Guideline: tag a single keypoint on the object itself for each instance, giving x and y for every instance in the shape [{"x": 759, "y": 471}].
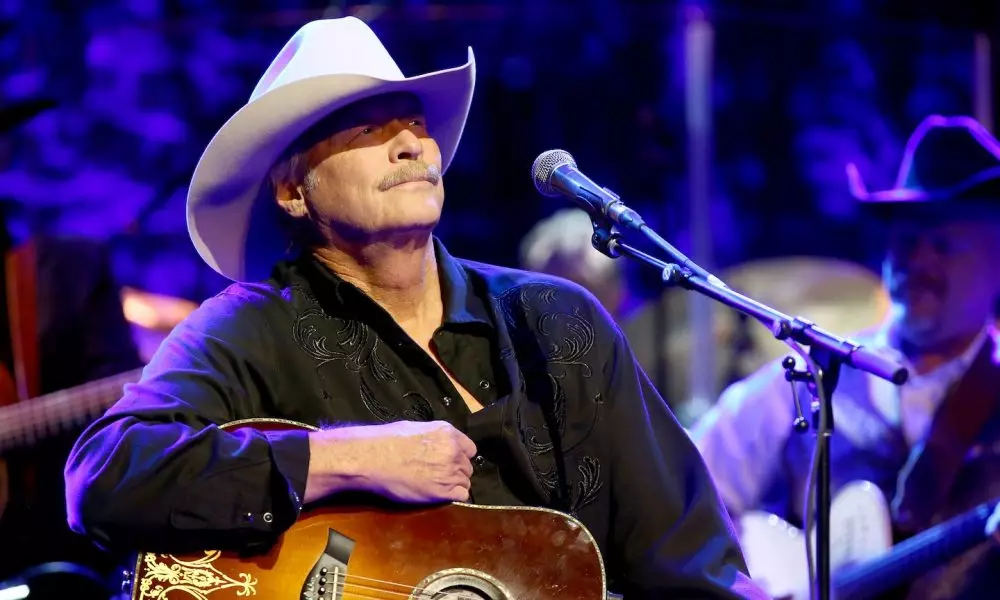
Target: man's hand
[{"x": 405, "y": 461}]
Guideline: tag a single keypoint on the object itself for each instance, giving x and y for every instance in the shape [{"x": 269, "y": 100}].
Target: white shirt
[
  {"x": 911, "y": 406},
  {"x": 743, "y": 437}
]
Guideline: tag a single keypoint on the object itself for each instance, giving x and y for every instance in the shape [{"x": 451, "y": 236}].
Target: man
[
  {"x": 78, "y": 334},
  {"x": 929, "y": 445},
  {"x": 435, "y": 379}
]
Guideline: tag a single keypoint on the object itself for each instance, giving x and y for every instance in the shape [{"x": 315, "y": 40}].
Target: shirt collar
[
  {"x": 462, "y": 304},
  {"x": 882, "y": 343}
]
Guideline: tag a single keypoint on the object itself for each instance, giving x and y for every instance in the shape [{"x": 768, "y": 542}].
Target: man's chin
[{"x": 918, "y": 329}]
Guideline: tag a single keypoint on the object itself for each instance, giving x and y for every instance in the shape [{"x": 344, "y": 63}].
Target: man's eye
[{"x": 367, "y": 131}]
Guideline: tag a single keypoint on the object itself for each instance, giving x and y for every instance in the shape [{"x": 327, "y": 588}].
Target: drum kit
[{"x": 840, "y": 296}]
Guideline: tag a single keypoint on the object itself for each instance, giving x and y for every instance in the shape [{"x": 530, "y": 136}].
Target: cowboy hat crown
[
  {"x": 318, "y": 48},
  {"x": 946, "y": 158},
  {"x": 325, "y": 66}
]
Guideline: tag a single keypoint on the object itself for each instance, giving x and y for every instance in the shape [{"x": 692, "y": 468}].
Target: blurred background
[{"x": 727, "y": 124}]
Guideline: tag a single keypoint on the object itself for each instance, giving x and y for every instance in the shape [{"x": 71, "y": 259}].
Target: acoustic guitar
[
  {"x": 863, "y": 561},
  {"x": 455, "y": 551}
]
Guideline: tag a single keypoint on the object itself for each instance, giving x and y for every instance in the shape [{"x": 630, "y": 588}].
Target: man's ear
[{"x": 292, "y": 199}]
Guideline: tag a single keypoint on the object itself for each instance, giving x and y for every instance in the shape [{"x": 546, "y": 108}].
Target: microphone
[{"x": 555, "y": 174}]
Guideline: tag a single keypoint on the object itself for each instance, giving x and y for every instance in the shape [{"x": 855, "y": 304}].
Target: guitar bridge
[{"x": 327, "y": 578}]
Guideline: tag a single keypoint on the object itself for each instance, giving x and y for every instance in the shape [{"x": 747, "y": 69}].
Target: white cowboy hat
[{"x": 326, "y": 65}]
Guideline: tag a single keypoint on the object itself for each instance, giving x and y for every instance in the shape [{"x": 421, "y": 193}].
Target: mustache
[{"x": 417, "y": 170}]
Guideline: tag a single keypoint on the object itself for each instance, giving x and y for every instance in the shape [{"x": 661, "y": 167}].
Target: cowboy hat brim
[
  {"x": 978, "y": 195},
  {"x": 230, "y": 178}
]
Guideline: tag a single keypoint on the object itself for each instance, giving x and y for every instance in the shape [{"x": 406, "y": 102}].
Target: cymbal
[{"x": 839, "y": 296}]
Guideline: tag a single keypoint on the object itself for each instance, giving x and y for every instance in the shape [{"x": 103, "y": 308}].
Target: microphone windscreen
[{"x": 545, "y": 165}]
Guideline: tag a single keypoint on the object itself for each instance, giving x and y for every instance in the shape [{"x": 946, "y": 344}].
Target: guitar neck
[
  {"x": 30, "y": 421},
  {"x": 914, "y": 557}
]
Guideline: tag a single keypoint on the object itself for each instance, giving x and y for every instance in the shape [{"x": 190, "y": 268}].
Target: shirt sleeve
[
  {"x": 157, "y": 473},
  {"x": 671, "y": 535},
  {"x": 743, "y": 437}
]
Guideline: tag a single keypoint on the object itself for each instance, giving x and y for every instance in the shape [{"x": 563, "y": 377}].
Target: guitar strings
[
  {"x": 342, "y": 588},
  {"x": 406, "y": 590}
]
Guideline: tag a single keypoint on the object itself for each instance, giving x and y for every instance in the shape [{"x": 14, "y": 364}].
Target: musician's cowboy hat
[
  {"x": 326, "y": 65},
  {"x": 951, "y": 165}
]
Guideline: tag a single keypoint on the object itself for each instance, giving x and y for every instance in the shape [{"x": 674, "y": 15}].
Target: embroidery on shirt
[
  {"x": 548, "y": 477},
  {"x": 559, "y": 342},
  {"x": 420, "y": 409},
  {"x": 586, "y": 489},
  {"x": 356, "y": 346},
  {"x": 590, "y": 483},
  {"x": 574, "y": 335},
  {"x": 575, "y": 343},
  {"x": 558, "y": 415},
  {"x": 351, "y": 339},
  {"x": 375, "y": 406}
]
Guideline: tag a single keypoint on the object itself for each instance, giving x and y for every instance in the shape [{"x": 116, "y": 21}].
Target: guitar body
[
  {"x": 388, "y": 551},
  {"x": 861, "y": 530}
]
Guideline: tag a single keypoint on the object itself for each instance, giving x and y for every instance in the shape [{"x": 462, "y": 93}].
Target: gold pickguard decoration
[{"x": 196, "y": 578}]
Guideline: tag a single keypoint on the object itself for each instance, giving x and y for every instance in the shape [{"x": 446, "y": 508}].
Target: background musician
[{"x": 931, "y": 444}]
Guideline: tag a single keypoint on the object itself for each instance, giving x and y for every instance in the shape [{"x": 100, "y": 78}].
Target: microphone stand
[{"x": 827, "y": 352}]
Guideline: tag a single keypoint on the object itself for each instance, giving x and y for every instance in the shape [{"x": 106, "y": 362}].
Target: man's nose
[{"x": 405, "y": 145}]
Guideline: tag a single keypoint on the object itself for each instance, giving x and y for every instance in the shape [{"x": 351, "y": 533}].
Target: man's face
[
  {"x": 377, "y": 174},
  {"x": 943, "y": 277}
]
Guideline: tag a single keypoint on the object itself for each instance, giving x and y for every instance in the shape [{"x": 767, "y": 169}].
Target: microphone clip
[
  {"x": 606, "y": 238},
  {"x": 793, "y": 376}
]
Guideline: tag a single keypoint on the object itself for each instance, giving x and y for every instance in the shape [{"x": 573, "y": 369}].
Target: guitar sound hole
[
  {"x": 461, "y": 584},
  {"x": 460, "y": 593}
]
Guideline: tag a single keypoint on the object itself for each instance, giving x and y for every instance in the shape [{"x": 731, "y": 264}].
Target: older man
[
  {"x": 931, "y": 446},
  {"x": 435, "y": 379}
]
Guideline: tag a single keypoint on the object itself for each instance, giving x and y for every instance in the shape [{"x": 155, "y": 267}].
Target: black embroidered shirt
[{"x": 570, "y": 422}]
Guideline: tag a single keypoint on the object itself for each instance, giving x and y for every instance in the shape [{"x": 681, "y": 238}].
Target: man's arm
[
  {"x": 157, "y": 473},
  {"x": 742, "y": 438},
  {"x": 670, "y": 532}
]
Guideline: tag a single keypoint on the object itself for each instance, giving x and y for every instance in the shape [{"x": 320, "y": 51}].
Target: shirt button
[
  {"x": 479, "y": 461},
  {"x": 446, "y": 400},
  {"x": 484, "y": 384}
]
